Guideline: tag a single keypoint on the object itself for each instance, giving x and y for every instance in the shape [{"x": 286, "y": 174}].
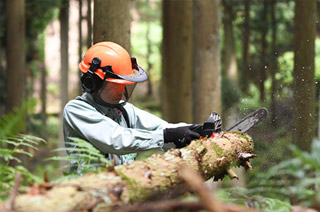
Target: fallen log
[{"x": 136, "y": 182}]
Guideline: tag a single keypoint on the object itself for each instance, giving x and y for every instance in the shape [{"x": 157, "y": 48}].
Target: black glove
[{"x": 180, "y": 136}]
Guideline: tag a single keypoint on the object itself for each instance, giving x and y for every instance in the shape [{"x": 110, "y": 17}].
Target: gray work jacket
[{"x": 109, "y": 133}]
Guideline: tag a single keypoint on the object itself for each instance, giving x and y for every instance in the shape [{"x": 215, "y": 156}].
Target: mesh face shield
[
  {"x": 128, "y": 91},
  {"x": 127, "y": 81}
]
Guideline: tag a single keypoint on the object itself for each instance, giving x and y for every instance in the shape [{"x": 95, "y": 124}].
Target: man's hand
[{"x": 180, "y": 136}]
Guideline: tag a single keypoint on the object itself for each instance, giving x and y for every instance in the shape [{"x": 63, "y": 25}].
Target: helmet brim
[{"x": 141, "y": 76}]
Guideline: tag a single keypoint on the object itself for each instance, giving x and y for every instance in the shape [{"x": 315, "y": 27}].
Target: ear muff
[{"x": 91, "y": 82}]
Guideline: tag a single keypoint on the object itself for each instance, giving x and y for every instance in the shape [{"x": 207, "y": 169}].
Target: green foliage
[
  {"x": 139, "y": 46},
  {"x": 284, "y": 15},
  {"x": 296, "y": 178},
  {"x": 13, "y": 123},
  {"x": 39, "y": 13},
  {"x": 148, "y": 10},
  {"x": 285, "y": 62},
  {"x": 148, "y": 29},
  {"x": 251, "y": 101},
  {"x": 244, "y": 197},
  {"x": 83, "y": 157},
  {"x": 13, "y": 147}
]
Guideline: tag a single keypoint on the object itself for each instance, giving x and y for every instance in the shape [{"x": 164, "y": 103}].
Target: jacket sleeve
[
  {"x": 108, "y": 136},
  {"x": 141, "y": 119}
]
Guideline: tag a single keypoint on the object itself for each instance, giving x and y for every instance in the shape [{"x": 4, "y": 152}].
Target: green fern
[
  {"x": 7, "y": 155},
  {"x": 13, "y": 145},
  {"x": 14, "y": 122},
  {"x": 84, "y": 157},
  {"x": 18, "y": 142},
  {"x": 297, "y": 178}
]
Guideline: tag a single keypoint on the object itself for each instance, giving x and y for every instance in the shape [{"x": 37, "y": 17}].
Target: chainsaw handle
[{"x": 211, "y": 125}]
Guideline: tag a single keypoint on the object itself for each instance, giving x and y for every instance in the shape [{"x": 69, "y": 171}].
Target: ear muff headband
[{"x": 90, "y": 81}]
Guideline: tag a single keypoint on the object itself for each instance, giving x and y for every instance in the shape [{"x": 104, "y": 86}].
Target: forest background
[{"x": 202, "y": 56}]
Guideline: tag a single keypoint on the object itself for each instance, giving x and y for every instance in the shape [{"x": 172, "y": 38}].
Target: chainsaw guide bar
[{"x": 250, "y": 121}]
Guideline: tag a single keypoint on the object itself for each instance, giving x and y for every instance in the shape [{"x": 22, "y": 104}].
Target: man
[{"x": 102, "y": 115}]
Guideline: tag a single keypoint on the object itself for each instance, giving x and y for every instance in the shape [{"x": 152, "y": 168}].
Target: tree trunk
[
  {"x": 80, "y": 45},
  {"x": 148, "y": 57},
  {"x": 304, "y": 76},
  {"x": 64, "y": 63},
  {"x": 245, "y": 75},
  {"x": 2, "y": 83},
  {"x": 230, "y": 60},
  {"x": 112, "y": 22},
  {"x": 2, "y": 68},
  {"x": 206, "y": 60},
  {"x": 43, "y": 95},
  {"x": 274, "y": 64},
  {"x": 89, "y": 24},
  {"x": 263, "y": 66},
  {"x": 64, "y": 53},
  {"x": 140, "y": 180},
  {"x": 177, "y": 60},
  {"x": 15, "y": 53}
]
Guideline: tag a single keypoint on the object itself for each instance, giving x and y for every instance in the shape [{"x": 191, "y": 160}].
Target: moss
[
  {"x": 241, "y": 135},
  {"x": 135, "y": 189},
  {"x": 217, "y": 149}
]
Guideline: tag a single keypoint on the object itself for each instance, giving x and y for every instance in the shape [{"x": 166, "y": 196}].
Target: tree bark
[
  {"x": 89, "y": 24},
  {"x": 148, "y": 57},
  {"x": 43, "y": 95},
  {"x": 177, "y": 61},
  {"x": 112, "y": 22},
  {"x": 64, "y": 65},
  {"x": 274, "y": 64},
  {"x": 64, "y": 42},
  {"x": 140, "y": 180},
  {"x": 206, "y": 60},
  {"x": 263, "y": 66},
  {"x": 80, "y": 45},
  {"x": 230, "y": 60},
  {"x": 245, "y": 73},
  {"x": 15, "y": 54},
  {"x": 304, "y": 74}
]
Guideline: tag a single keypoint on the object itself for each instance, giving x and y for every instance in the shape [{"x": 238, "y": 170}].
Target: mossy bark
[{"x": 135, "y": 182}]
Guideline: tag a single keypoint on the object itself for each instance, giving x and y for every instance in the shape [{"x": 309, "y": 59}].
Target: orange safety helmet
[{"x": 110, "y": 62}]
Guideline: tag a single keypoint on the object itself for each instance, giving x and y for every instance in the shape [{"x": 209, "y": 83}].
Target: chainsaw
[{"x": 213, "y": 123}]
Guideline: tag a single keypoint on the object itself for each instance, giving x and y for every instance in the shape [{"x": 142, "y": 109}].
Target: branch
[
  {"x": 207, "y": 199},
  {"x": 14, "y": 192},
  {"x": 196, "y": 183}
]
